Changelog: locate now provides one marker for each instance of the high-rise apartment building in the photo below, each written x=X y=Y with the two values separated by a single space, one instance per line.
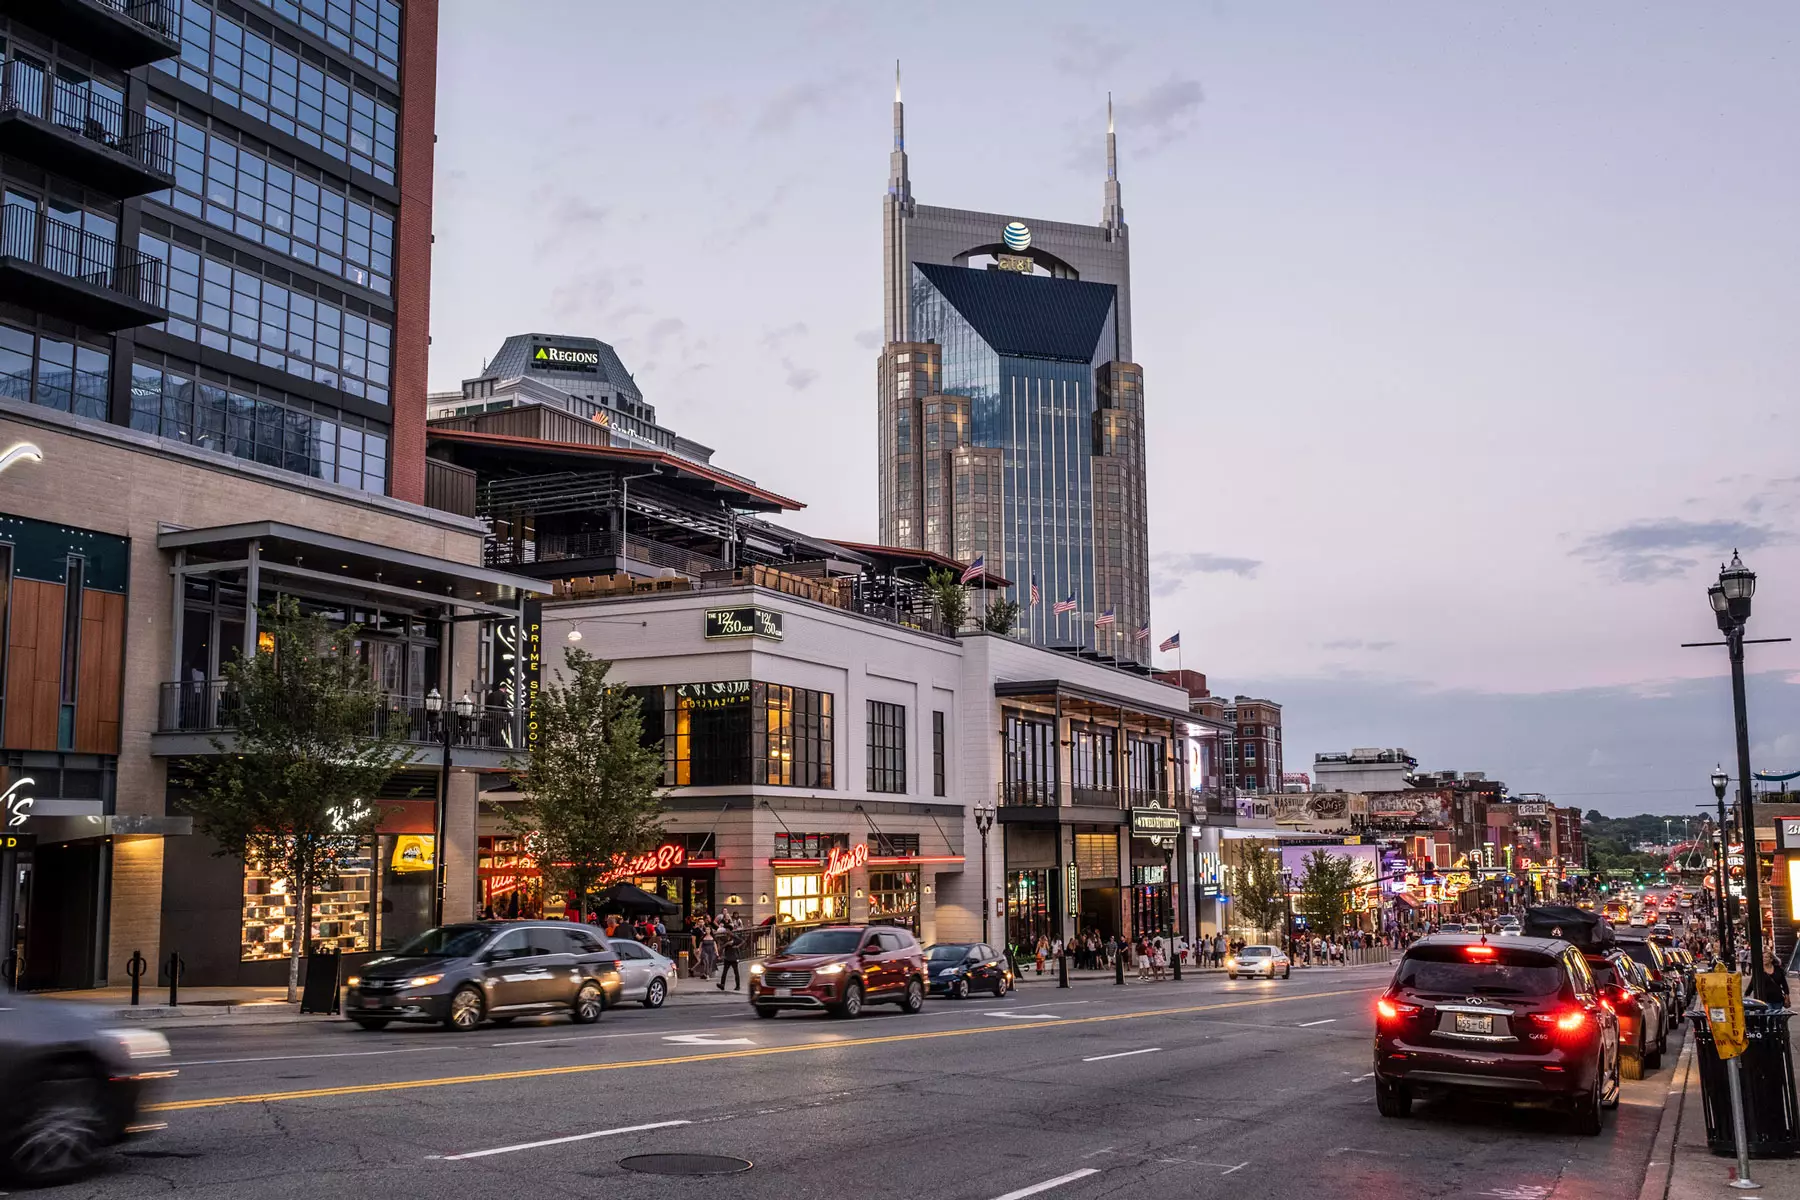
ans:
x=1010 y=410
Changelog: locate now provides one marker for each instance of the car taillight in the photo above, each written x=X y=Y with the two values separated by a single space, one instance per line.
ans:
x=1389 y=1010
x=1481 y=950
x=1565 y=1021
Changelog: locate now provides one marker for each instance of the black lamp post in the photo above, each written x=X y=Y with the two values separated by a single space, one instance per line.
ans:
x=1730 y=598
x=984 y=822
x=1720 y=781
x=462 y=708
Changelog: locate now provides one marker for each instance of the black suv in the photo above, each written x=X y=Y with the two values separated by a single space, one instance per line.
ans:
x=461 y=975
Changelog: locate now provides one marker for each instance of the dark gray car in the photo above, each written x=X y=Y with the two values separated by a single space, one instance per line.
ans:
x=69 y=1087
x=460 y=975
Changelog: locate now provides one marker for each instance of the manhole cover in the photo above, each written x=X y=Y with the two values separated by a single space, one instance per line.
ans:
x=685 y=1164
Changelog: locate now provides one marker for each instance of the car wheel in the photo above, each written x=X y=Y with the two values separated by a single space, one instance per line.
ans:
x=590 y=1002
x=1287 y=972
x=1588 y=1116
x=370 y=1023
x=659 y=991
x=959 y=990
x=1392 y=1099
x=852 y=1003
x=1232 y=975
x=466 y=1009
x=764 y=1011
x=1001 y=987
x=1631 y=1064
x=63 y=1129
x=914 y=1001
x=1653 y=1059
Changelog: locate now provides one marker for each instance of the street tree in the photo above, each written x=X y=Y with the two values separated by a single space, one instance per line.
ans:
x=293 y=788
x=1258 y=892
x=1325 y=888
x=589 y=787
x=1001 y=615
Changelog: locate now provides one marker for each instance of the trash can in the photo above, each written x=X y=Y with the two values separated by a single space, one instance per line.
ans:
x=1771 y=1111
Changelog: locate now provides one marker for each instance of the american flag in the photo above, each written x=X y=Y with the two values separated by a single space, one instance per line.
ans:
x=1034 y=592
x=976 y=569
x=1105 y=618
x=1172 y=642
x=1063 y=606
x=1142 y=635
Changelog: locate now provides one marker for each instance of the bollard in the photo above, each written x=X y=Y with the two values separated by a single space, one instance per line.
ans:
x=1175 y=960
x=1119 y=967
x=1062 y=969
x=175 y=969
x=136 y=968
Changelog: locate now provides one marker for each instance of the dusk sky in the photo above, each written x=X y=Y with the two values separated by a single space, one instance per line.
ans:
x=1468 y=331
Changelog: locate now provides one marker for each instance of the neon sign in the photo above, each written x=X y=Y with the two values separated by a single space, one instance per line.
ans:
x=15 y=804
x=20 y=452
x=651 y=862
x=842 y=862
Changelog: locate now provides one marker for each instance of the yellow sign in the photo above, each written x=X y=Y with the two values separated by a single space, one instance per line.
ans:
x=1793 y=863
x=1722 y=996
x=413 y=852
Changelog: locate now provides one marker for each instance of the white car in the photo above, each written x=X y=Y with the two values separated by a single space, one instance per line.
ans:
x=1266 y=961
x=647 y=976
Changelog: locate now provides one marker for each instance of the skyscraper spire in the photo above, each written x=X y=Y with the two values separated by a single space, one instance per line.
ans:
x=1112 y=216
x=898 y=184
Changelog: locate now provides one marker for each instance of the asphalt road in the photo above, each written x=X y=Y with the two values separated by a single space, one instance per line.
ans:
x=1205 y=1088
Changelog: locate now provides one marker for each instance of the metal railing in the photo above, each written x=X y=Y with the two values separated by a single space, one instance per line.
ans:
x=26 y=233
x=562 y=547
x=1034 y=795
x=211 y=706
x=155 y=14
x=27 y=86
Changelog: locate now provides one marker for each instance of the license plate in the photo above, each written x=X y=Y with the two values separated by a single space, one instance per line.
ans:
x=1467 y=1023
x=780 y=992
x=371 y=1002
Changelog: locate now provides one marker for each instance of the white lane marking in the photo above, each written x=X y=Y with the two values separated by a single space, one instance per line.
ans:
x=1310 y=1024
x=707 y=1039
x=591 y=1037
x=561 y=1141
x=1045 y=1186
x=1360 y=1078
x=1236 y=1169
x=218 y=1062
x=1019 y=1016
x=1121 y=1054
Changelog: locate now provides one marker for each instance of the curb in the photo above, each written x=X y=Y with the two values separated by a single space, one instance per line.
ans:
x=1662 y=1148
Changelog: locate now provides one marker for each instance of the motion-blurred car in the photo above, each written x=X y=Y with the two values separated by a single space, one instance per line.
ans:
x=69 y=1088
x=955 y=969
x=644 y=975
x=461 y=975
x=1643 y=1023
x=1267 y=961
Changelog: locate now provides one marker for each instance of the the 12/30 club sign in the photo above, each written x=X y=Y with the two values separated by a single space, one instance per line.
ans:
x=743 y=622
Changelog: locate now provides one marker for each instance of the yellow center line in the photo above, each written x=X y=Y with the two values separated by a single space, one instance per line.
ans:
x=719 y=1056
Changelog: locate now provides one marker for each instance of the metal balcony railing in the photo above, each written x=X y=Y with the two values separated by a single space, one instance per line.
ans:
x=27 y=86
x=158 y=15
x=26 y=233
x=1034 y=795
x=210 y=706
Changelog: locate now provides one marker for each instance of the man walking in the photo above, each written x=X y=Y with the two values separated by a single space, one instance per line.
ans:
x=728 y=960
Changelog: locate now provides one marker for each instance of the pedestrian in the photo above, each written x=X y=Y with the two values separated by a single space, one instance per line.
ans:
x=728 y=961
x=1774 y=983
x=1043 y=951
x=1219 y=949
x=709 y=950
x=1143 y=959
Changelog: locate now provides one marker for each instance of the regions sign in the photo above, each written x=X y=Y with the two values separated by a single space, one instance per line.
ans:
x=556 y=358
x=743 y=622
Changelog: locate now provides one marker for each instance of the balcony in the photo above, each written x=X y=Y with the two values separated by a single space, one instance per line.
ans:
x=191 y=714
x=1028 y=795
x=50 y=265
x=87 y=137
x=601 y=553
x=124 y=33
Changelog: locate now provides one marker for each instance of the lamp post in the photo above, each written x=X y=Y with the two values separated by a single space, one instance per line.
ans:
x=984 y=822
x=462 y=708
x=1730 y=598
x=1720 y=781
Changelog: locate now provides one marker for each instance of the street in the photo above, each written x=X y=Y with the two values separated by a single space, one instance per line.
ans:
x=1205 y=1088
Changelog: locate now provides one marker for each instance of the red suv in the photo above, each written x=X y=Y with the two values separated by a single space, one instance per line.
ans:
x=840 y=969
x=1519 y=1018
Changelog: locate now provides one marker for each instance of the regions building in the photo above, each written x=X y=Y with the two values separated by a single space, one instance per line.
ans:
x=1011 y=412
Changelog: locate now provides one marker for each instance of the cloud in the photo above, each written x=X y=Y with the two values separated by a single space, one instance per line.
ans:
x=799 y=378
x=774 y=339
x=1086 y=53
x=1357 y=644
x=1161 y=116
x=1201 y=563
x=1646 y=551
x=781 y=110
x=868 y=339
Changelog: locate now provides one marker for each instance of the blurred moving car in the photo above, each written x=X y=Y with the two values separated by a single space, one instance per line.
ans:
x=1666 y=977
x=69 y=1088
x=955 y=969
x=1513 y=1020
x=840 y=969
x=1643 y=1022
x=644 y=975
x=1259 y=960
x=461 y=975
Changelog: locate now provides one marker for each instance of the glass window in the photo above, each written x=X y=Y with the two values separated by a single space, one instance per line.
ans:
x=736 y=731
x=887 y=747
x=938 y=765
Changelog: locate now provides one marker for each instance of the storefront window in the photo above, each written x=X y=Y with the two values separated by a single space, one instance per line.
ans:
x=407 y=874
x=1030 y=908
x=739 y=732
x=809 y=900
x=894 y=898
x=339 y=919
x=512 y=887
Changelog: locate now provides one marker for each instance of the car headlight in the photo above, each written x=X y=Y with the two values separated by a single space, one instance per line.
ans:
x=353 y=981
x=422 y=981
x=1231 y=964
x=140 y=1043
x=756 y=968
x=833 y=969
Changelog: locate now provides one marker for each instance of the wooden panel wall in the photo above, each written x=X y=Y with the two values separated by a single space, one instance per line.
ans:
x=100 y=672
x=34 y=665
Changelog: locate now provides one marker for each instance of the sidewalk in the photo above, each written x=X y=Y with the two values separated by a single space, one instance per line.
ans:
x=1681 y=1165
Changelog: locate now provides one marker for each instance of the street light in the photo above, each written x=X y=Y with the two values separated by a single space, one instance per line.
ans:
x=1720 y=781
x=984 y=822
x=462 y=709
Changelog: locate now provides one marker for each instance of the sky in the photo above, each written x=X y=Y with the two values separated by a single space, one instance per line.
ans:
x=1467 y=330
